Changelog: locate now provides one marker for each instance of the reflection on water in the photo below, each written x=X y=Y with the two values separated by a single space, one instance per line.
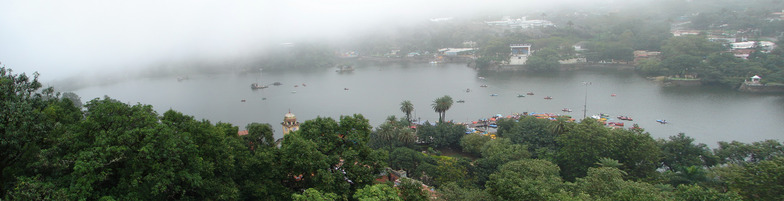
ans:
x=708 y=114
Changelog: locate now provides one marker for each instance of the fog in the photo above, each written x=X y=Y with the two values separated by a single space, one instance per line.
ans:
x=84 y=38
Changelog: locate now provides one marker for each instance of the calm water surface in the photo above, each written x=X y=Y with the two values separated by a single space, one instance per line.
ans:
x=375 y=91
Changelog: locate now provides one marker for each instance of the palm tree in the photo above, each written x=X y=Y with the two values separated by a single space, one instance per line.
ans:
x=407 y=108
x=441 y=105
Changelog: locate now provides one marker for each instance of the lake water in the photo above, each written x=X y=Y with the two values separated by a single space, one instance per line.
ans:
x=376 y=91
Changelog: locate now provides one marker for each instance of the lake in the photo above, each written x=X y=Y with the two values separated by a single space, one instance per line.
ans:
x=708 y=114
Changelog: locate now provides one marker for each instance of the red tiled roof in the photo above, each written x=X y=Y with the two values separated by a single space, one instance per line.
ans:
x=243 y=132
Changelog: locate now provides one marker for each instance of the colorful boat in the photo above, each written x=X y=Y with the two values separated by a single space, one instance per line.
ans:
x=548 y=97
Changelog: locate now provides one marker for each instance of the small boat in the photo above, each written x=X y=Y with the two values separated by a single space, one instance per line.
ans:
x=529 y=93
x=612 y=95
x=548 y=98
x=484 y=85
x=293 y=92
x=493 y=94
x=345 y=89
x=520 y=95
x=257 y=86
x=625 y=118
x=263 y=98
x=460 y=101
x=296 y=85
x=616 y=124
x=276 y=83
x=243 y=100
x=662 y=121
x=468 y=90
x=433 y=62
x=481 y=78
x=303 y=84
x=566 y=110
x=344 y=68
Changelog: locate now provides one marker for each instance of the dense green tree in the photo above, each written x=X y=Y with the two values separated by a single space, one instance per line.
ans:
x=441 y=135
x=377 y=192
x=581 y=147
x=606 y=183
x=331 y=156
x=313 y=194
x=699 y=193
x=680 y=152
x=758 y=181
x=739 y=153
x=455 y=192
x=543 y=60
x=527 y=179
x=24 y=129
x=473 y=143
x=637 y=152
x=413 y=190
x=392 y=133
x=441 y=105
x=535 y=133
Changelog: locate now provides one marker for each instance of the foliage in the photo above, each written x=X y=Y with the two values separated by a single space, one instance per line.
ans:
x=527 y=179
x=441 y=135
x=473 y=143
x=377 y=192
x=680 y=152
x=759 y=181
x=543 y=60
x=412 y=190
x=441 y=105
x=407 y=107
x=312 y=194
x=331 y=156
x=393 y=133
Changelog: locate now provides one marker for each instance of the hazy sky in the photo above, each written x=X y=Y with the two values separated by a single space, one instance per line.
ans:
x=67 y=38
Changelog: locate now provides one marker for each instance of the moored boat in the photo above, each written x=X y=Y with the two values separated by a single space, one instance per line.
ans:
x=257 y=86
x=548 y=98
x=529 y=93
x=520 y=95
x=566 y=110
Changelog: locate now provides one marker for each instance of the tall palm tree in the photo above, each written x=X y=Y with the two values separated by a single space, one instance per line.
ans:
x=407 y=108
x=441 y=105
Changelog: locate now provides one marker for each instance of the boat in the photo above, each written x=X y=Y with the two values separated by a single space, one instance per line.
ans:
x=293 y=92
x=243 y=100
x=460 y=101
x=626 y=118
x=296 y=85
x=548 y=98
x=612 y=95
x=662 y=121
x=344 y=68
x=481 y=78
x=257 y=86
x=566 y=110
x=433 y=62
x=468 y=90
x=493 y=94
x=276 y=83
x=620 y=124
x=345 y=89
x=529 y=93
x=520 y=95
x=484 y=85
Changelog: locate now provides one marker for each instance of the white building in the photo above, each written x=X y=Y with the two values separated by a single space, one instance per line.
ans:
x=519 y=53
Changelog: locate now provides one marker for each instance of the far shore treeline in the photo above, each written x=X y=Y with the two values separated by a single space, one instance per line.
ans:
x=54 y=147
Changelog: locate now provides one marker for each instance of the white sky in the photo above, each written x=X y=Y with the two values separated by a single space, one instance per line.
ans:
x=68 y=38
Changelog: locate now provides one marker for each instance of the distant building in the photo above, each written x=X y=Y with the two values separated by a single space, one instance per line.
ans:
x=519 y=53
x=642 y=54
x=290 y=123
x=685 y=32
x=453 y=52
x=521 y=23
